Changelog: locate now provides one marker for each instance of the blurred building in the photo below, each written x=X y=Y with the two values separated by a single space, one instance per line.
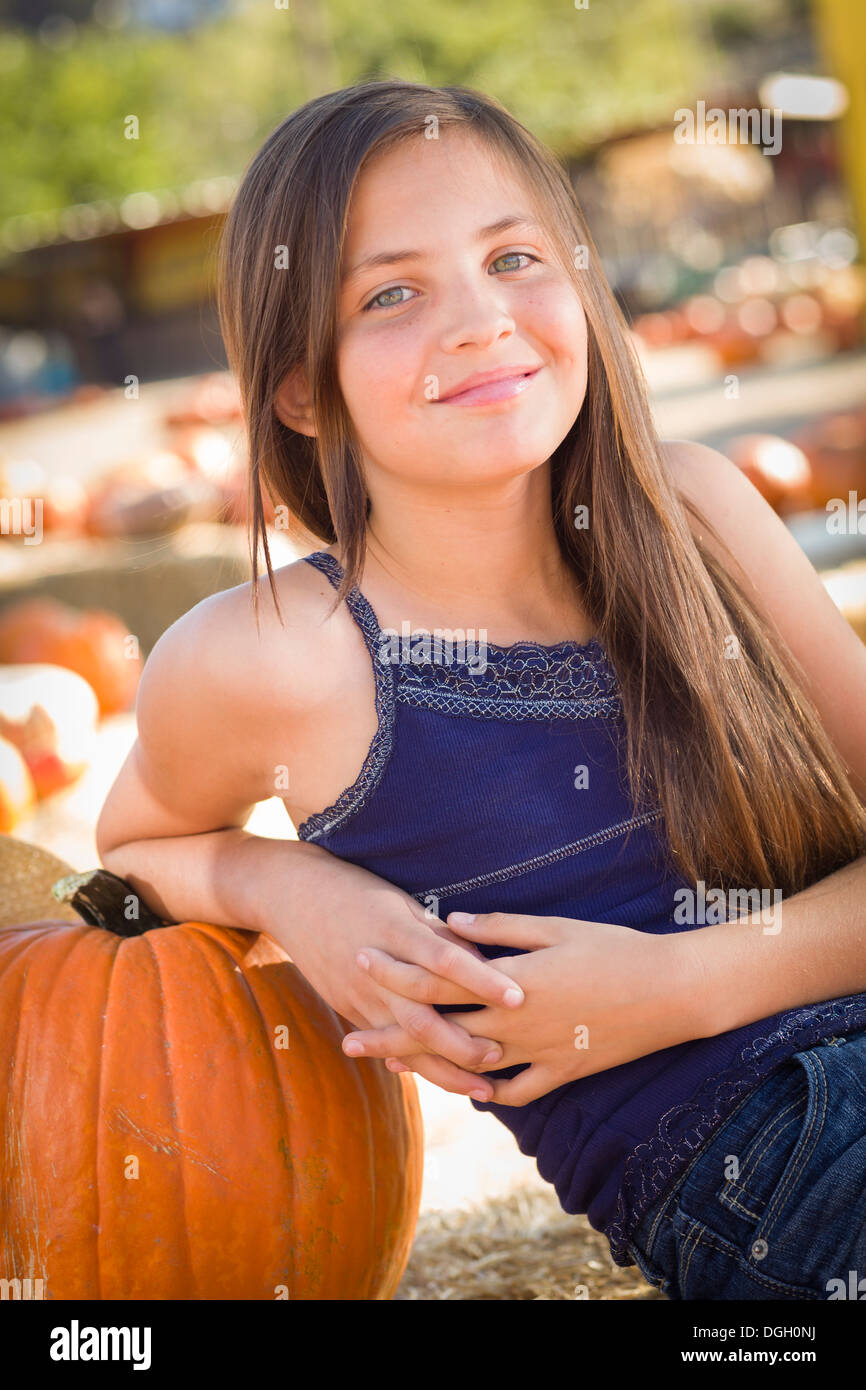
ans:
x=129 y=286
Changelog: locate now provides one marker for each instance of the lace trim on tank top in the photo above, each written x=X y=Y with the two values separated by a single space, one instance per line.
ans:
x=652 y=1167
x=568 y=680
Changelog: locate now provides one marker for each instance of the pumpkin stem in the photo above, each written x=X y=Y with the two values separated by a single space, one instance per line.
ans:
x=103 y=899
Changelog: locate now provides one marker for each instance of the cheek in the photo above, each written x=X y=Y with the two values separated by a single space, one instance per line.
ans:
x=552 y=317
x=565 y=326
x=374 y=367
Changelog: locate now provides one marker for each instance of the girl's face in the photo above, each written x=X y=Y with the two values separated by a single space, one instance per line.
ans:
x=451 y=295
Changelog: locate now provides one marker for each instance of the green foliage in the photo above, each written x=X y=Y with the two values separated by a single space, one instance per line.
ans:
x=206 y=100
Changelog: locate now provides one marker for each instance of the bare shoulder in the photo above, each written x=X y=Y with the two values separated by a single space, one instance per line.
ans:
x=694 y=467
x=284 y=657
x=719 y=490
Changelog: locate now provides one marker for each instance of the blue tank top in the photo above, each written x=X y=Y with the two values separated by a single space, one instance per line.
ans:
x=468 y=799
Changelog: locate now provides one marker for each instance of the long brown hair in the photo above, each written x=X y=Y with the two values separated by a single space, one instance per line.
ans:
x=752 y=791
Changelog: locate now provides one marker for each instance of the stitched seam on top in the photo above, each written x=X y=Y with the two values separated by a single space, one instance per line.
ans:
x=598 y=837
x=492 y=707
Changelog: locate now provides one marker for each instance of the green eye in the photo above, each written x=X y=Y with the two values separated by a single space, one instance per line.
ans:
x=515 y=255
x=375 y=303
x=381 y=295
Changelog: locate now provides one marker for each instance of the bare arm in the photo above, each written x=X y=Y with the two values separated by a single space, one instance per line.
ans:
x=172 y=825
x=196 y=765
x=217 y=877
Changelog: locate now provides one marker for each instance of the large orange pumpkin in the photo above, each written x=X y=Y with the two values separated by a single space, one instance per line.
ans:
x=181 y=1122
x=45 y=631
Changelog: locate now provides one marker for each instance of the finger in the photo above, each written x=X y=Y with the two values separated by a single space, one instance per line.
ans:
x=412 y=981
x=394 y=1042
x=448 y=1077
x=444 y=934
x=480 y=978
x=457 y=1046
x=535 y=1081
x=506 y=928
x=394 y=1064
x=436 y=1033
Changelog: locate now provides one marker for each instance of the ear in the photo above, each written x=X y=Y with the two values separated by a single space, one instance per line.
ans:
x=293 y=402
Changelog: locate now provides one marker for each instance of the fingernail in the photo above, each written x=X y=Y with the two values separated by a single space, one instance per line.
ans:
x=461 y=918
x=363 y=961
x=479 y=1095
x=513 y=996
x=353 y=1049
x=491 y=1057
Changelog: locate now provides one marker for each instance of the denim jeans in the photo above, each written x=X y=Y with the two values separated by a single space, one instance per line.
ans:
x=773 y=1206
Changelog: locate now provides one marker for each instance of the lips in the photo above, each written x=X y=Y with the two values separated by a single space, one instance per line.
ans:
x=491 y=386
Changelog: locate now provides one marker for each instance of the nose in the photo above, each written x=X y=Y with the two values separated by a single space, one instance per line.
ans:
x=475 y=315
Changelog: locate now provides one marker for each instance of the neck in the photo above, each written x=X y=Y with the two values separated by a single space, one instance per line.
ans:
x=490 y=554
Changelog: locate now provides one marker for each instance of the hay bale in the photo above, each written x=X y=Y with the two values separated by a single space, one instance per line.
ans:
x=27 y=873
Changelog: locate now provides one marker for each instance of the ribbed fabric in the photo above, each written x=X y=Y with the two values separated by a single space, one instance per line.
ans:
x=467 y=800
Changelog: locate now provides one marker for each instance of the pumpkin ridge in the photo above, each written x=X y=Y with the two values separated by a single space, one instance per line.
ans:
x=150 y=946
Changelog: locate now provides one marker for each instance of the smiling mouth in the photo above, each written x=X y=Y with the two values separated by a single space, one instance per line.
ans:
x=502 y=390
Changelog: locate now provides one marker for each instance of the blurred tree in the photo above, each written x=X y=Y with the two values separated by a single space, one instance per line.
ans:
x=206 y=100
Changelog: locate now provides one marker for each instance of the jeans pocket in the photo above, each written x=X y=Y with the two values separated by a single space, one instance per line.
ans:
x=760 y=1181
x=711 y=1267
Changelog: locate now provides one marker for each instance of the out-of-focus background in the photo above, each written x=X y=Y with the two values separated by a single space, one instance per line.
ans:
x=718 y=149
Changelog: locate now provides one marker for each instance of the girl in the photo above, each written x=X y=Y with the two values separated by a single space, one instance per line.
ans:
x=439 y=386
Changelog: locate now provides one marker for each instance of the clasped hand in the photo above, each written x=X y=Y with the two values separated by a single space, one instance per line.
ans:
x=596 y=995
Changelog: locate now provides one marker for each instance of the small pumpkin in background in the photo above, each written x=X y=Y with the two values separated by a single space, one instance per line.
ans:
x=733 y=345
x=50 y=714
x=17 y=792
x=94 y=643
x=778 y=468
x=181 y=1121
x=25 y=621
x=835 y=446
x=152 y=495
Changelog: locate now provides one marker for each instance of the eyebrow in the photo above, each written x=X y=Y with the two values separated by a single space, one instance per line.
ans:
x=502 y=224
